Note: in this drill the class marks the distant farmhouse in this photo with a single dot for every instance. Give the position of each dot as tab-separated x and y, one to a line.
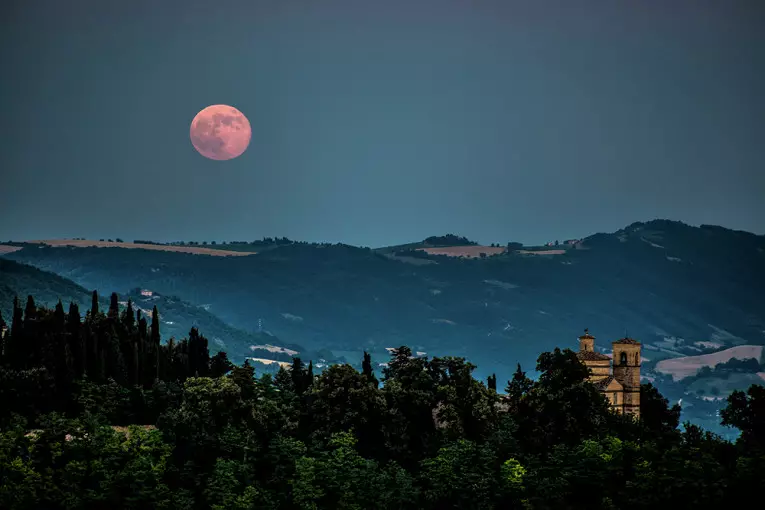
620	383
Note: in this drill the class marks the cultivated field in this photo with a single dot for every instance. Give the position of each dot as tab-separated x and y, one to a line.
271	362
197	250
4	248
541	252
679	368
468	252
274	348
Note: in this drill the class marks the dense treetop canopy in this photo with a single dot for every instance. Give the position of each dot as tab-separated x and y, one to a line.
203	433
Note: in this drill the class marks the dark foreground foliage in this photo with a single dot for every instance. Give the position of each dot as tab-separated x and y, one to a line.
428	436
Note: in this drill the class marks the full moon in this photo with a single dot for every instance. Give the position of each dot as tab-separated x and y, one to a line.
220	132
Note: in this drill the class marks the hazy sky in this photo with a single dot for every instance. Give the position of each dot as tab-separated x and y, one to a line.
378	122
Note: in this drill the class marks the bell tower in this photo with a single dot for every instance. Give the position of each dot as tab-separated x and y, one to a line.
598	364
626	363
586	342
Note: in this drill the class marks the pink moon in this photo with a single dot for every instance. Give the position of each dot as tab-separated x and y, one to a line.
220	132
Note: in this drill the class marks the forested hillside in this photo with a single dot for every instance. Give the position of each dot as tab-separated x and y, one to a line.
680	290
22	279
428	435
178	316
658	280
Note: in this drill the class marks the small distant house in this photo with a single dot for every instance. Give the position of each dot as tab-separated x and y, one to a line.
147	293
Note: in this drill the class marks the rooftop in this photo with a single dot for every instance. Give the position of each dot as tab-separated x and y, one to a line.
603	383
592	356
630	341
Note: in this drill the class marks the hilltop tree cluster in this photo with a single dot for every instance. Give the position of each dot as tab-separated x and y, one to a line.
424	435
52	354
449	240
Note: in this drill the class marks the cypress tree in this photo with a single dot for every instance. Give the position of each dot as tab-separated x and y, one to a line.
94	305
298	375
114	306
161	357
147	352
31	342
16	320
59	315
30	312
366	370
518	387
58	351
2	338
309	375
154	326
194	355
491	382
76	344
129	316
203	356
130	344
14	344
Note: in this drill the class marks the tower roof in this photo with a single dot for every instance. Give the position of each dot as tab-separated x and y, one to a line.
587	335
626	340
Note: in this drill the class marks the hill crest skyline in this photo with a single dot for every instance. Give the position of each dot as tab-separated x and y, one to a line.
213	242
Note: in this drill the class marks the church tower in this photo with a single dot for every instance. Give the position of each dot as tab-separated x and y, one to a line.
586	342
599	364
626	360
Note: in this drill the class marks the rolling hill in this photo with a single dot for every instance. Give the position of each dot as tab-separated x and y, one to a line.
676	288
177	317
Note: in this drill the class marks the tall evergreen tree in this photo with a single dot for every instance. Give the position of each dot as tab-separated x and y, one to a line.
154	338
58	350
114	306
75	339
519	385
128	318
15	345
244	377
2	338
17	319
30	312
517	388
298	375
32	340
309	376
199	357
491	382
94	305
367	371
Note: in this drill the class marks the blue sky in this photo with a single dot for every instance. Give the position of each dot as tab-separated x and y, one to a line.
376	123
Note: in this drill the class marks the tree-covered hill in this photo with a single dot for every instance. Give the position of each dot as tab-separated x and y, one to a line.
672	286
21	280
100	413
177	318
